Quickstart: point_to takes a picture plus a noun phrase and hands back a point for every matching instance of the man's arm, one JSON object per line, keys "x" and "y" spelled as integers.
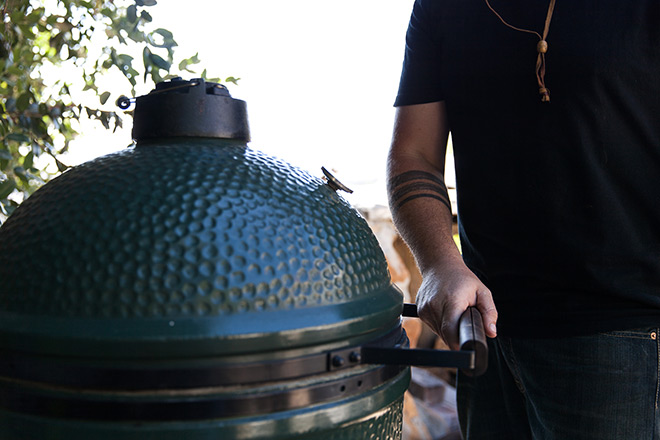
{"x": 422, "y": 214}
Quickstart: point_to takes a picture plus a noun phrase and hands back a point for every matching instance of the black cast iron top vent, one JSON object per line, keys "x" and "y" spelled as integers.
{"x": 193, "y": 108}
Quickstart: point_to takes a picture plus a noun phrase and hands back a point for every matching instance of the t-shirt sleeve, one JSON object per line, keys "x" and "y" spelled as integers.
{"x": 420, "y": 76}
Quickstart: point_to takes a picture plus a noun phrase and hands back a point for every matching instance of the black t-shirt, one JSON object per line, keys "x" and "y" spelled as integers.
{"x": 558, "y": 202}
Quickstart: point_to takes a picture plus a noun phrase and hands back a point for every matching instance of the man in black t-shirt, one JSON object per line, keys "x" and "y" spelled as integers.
{"x": 555, "y": 121}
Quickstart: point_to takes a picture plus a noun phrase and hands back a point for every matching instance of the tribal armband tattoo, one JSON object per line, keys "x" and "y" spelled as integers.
{"x": 412, "y": 185}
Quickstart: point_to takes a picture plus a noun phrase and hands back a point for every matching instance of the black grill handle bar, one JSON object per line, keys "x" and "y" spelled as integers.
{"x": 409, "y": 310}
{"x": 472, "y": 358}
{"x": 472, "y": 337}
{"x": 419, "y": 357}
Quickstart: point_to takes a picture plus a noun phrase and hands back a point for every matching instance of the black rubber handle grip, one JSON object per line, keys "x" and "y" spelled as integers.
{"x": 471, "y": 336}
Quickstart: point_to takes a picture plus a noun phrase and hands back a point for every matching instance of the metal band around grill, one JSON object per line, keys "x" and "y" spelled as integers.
{"x": 47, "y": 389}
{"x": 24, "y": 397}
{"x": 17, "y": 366}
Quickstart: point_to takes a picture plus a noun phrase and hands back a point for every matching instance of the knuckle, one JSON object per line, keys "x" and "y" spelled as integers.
{"x": 485, "y": 293}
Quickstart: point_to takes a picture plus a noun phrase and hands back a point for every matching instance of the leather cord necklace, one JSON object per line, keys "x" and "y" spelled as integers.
{"x": 541, "y": 47}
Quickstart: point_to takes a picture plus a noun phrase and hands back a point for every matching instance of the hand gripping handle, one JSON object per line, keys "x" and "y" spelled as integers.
{"x": 471, "y": 335}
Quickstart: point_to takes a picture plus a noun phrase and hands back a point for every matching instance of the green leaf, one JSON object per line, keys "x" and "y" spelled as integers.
{"x": 146, "y": 56}
{"x": 160, "y": 62}
{"x": 118, "y": 122}
{"x": 5, "y": 155}
{"x": 35, "y": 16}
{"x": 232, "y": 80}
{"x": 9, "y": 207}
{"x": 10, "y": 105}
{"x": 39, "y": 127}
{"x": 18, "y": 137}
{"x": 149, "y": 2}
{"x": 23, "y": 101}
{"x": 60, "y": 166}
{"x": 131, "y": 14}
{"x": 20, "y": 172}
{"x": 146, "y": 60}
{"x": 28, "y": 161}
{"x": 124, "y": 59}
{"x": 168, "y": 38}
{"x": 90, "y": 86}
{"x": 164, "y": 33}
{"x": 183, "y": 65}
{"x": 155, "y": 76}
{"x": 6, "y": 188}
{"x": 146, "y": 16}
{"x": 104, "y": 97}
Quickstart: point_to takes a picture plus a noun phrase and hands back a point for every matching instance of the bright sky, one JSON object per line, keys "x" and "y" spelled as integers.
{"x": 319, "y": 78}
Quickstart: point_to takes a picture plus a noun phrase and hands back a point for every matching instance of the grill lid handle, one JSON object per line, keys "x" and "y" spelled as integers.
{"x": 472, "y": 358}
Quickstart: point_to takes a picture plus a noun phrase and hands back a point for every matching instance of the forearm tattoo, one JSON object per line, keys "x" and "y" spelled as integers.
{"x": 412, "y": 185}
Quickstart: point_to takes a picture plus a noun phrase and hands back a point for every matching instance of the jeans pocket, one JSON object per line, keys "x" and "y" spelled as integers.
{"x": 641, "y": 333}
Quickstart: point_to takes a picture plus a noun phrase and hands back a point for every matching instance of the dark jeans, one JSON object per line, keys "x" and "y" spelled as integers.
{"x": 594, "y": 387}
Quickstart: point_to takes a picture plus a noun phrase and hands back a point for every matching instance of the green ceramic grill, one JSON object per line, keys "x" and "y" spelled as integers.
{"x": 191, "y": 287}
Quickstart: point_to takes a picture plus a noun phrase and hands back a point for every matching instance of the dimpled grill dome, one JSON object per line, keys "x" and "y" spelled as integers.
{"x": 200, "y": 241}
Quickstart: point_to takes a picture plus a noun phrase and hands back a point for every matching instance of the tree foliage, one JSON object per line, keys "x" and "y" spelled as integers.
{"x": 54, "y": 55}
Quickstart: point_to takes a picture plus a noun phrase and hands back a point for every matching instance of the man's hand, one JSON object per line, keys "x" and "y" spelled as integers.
{"x": 446, "y": 293}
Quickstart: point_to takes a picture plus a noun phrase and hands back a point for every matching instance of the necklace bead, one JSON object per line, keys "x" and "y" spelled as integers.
{"x": 542, "y": 46}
